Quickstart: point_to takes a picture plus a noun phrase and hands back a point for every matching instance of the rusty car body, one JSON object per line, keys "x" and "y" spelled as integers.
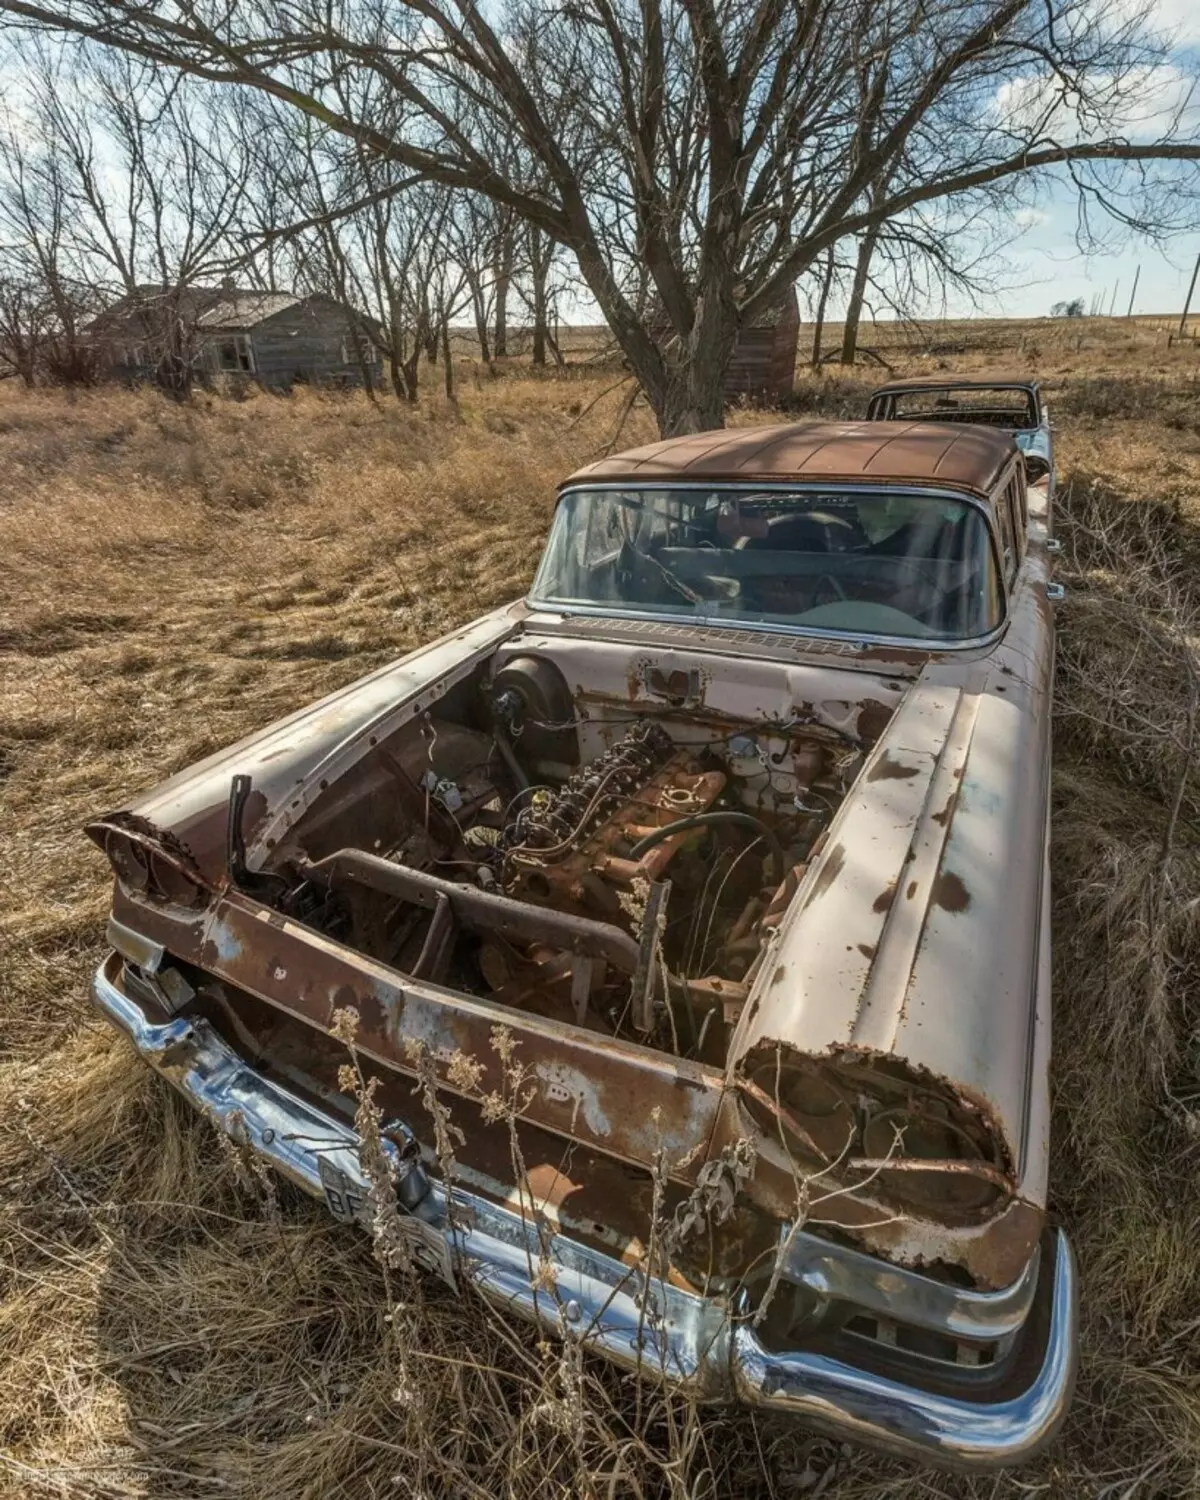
{"x": 714, "y": 872}
{"x": 1014, "y": 404}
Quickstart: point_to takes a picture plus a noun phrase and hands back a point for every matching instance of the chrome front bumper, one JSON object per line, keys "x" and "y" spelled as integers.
{"x": 697, "y": 1344}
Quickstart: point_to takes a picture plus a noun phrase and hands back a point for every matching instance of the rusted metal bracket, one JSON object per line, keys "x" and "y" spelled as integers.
{"x": 479, "y": 910}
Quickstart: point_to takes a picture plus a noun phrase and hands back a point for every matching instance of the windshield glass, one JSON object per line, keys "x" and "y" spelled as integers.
{"x": 900, "y": 563}
{"x": 992, "y": 406}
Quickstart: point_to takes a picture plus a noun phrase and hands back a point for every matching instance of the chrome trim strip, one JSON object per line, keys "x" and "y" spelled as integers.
{"x": 838, "y": 1273}
{"x": 132, "y": 945}
{"x": 655, "y": 1329}
{"x": 930, "y": 646}
{"x": 852, "y": 1403}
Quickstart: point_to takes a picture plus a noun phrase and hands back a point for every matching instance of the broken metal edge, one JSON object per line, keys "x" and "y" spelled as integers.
{"x": 694, "y": 1343}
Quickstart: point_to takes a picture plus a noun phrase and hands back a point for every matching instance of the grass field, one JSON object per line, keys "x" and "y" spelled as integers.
{"x": 172, "y": 577}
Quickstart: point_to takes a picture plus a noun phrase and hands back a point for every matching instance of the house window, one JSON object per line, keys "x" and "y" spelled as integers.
{"x": 357, "y": 348}
{"x": 236, "y": 354}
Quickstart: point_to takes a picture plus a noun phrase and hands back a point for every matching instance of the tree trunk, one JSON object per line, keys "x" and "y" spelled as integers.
{"x": 428, "y": 334}
{"x": 539, "y": 318}
{"x": 540, "y": 254}
{"x": 503, "y": 278}
{"x": 447, "y": 362}
{"x": 826, "y": 284}
{"x": 396, "y": 372}
{"x": 692, "y": 398}
{"x": 410, "y": 369}
{"x": 481, "y": 325}
{"x": 857, "y": 296}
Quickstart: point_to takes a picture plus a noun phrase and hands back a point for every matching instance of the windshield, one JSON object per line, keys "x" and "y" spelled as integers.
{"x": 900, "y": 563}
{"x": 991, "y": 406}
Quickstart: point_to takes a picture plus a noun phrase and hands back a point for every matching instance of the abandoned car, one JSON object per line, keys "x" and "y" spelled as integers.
{"x": 714, "y": 872}
{"x": 1014, "y": 405}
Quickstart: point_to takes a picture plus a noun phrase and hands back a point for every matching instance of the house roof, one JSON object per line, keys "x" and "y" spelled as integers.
{"x": 962, "y": 457}
{"x": 211, "y": 309}
{"x": 240, "y": 309}
{"x": 786, "y": 310}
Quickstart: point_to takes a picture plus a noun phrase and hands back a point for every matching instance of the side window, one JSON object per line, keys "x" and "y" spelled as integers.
{"x": 1019, "y": 503}
{"x": 1007, "y": 539}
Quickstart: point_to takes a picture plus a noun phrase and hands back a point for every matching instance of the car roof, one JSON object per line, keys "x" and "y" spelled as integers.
{"x": 961, "y": 456}
{"x": 956, "y": 382}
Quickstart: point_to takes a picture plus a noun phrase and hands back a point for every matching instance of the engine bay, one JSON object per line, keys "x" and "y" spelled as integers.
{"x": 615, "y": 861}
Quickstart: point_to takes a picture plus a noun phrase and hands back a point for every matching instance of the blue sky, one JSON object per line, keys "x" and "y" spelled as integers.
{"x": 1055, "y": 271}
{"x": 1043, "y": 264}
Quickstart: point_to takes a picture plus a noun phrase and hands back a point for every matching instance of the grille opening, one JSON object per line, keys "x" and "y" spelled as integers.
{"x": 920, "y": 1341}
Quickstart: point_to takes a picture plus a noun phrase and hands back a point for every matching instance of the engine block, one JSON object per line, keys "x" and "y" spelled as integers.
{"x": 570, "y": 848}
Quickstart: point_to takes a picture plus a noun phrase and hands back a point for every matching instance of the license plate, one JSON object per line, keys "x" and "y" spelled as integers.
{"x": 348, "y": 1202}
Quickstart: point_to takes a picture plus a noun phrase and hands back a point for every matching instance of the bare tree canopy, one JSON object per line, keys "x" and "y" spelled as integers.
{"x": 699, "y": 156}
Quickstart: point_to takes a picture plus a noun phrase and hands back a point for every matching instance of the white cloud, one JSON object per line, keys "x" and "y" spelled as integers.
{"x": 1142, "y": 105}
{"x": 1030, "y": 218}
{"x": 1179, "y": 18}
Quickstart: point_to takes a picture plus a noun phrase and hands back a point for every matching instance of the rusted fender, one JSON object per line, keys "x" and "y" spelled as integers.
{"x": 918, "y": 933}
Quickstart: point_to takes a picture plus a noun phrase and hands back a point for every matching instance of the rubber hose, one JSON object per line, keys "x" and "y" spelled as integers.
{"x": 509, "y": 758}
{"x": 716, "y": 819}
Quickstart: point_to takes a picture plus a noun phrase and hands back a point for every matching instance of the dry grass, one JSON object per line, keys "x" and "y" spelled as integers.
{"x": 174, "y": 577}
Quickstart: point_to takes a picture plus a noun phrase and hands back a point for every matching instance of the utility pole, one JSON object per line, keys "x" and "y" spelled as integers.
{"x": 1133, "y": 294}
{"x": 1187, "y": 304}
{"x": 1113, "y": 299}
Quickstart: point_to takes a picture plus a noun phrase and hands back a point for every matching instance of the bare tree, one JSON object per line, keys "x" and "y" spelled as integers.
{"x": 43, "y": 303}
{"x": 827, "y": 276}
{"x": 716, "y": 152}
{"x": 121, "y": 180}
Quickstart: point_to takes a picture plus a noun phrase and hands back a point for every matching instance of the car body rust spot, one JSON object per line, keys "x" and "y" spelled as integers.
{"x": 950, "y": 893}
{"x": 832, "y": 866}
{"x": 885, "y": 898}
{"x": 888, "y": 768}
{"x": 947, "y": 812}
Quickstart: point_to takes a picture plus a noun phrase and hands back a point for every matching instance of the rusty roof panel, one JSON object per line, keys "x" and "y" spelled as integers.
{"x": 964, "y": 457}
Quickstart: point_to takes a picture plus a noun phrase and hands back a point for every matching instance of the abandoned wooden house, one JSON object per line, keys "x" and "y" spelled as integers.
{"x": 763, "y": 367}
{"x": 275, "y": 338}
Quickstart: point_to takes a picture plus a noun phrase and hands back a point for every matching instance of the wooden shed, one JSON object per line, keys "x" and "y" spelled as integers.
{"x": 763, "y": 367}
{"x": 276, "y": 338}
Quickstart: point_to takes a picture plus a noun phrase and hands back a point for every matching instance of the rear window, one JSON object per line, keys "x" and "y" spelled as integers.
{"x": 904, "y": 564}
{"x": 991, "y": 406}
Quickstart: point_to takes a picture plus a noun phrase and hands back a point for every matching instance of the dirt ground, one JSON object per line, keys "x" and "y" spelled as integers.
{"x": 172, "y": 577}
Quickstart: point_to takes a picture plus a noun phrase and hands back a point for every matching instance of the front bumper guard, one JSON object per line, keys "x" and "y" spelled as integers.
{"x": 695, "y": 1343}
